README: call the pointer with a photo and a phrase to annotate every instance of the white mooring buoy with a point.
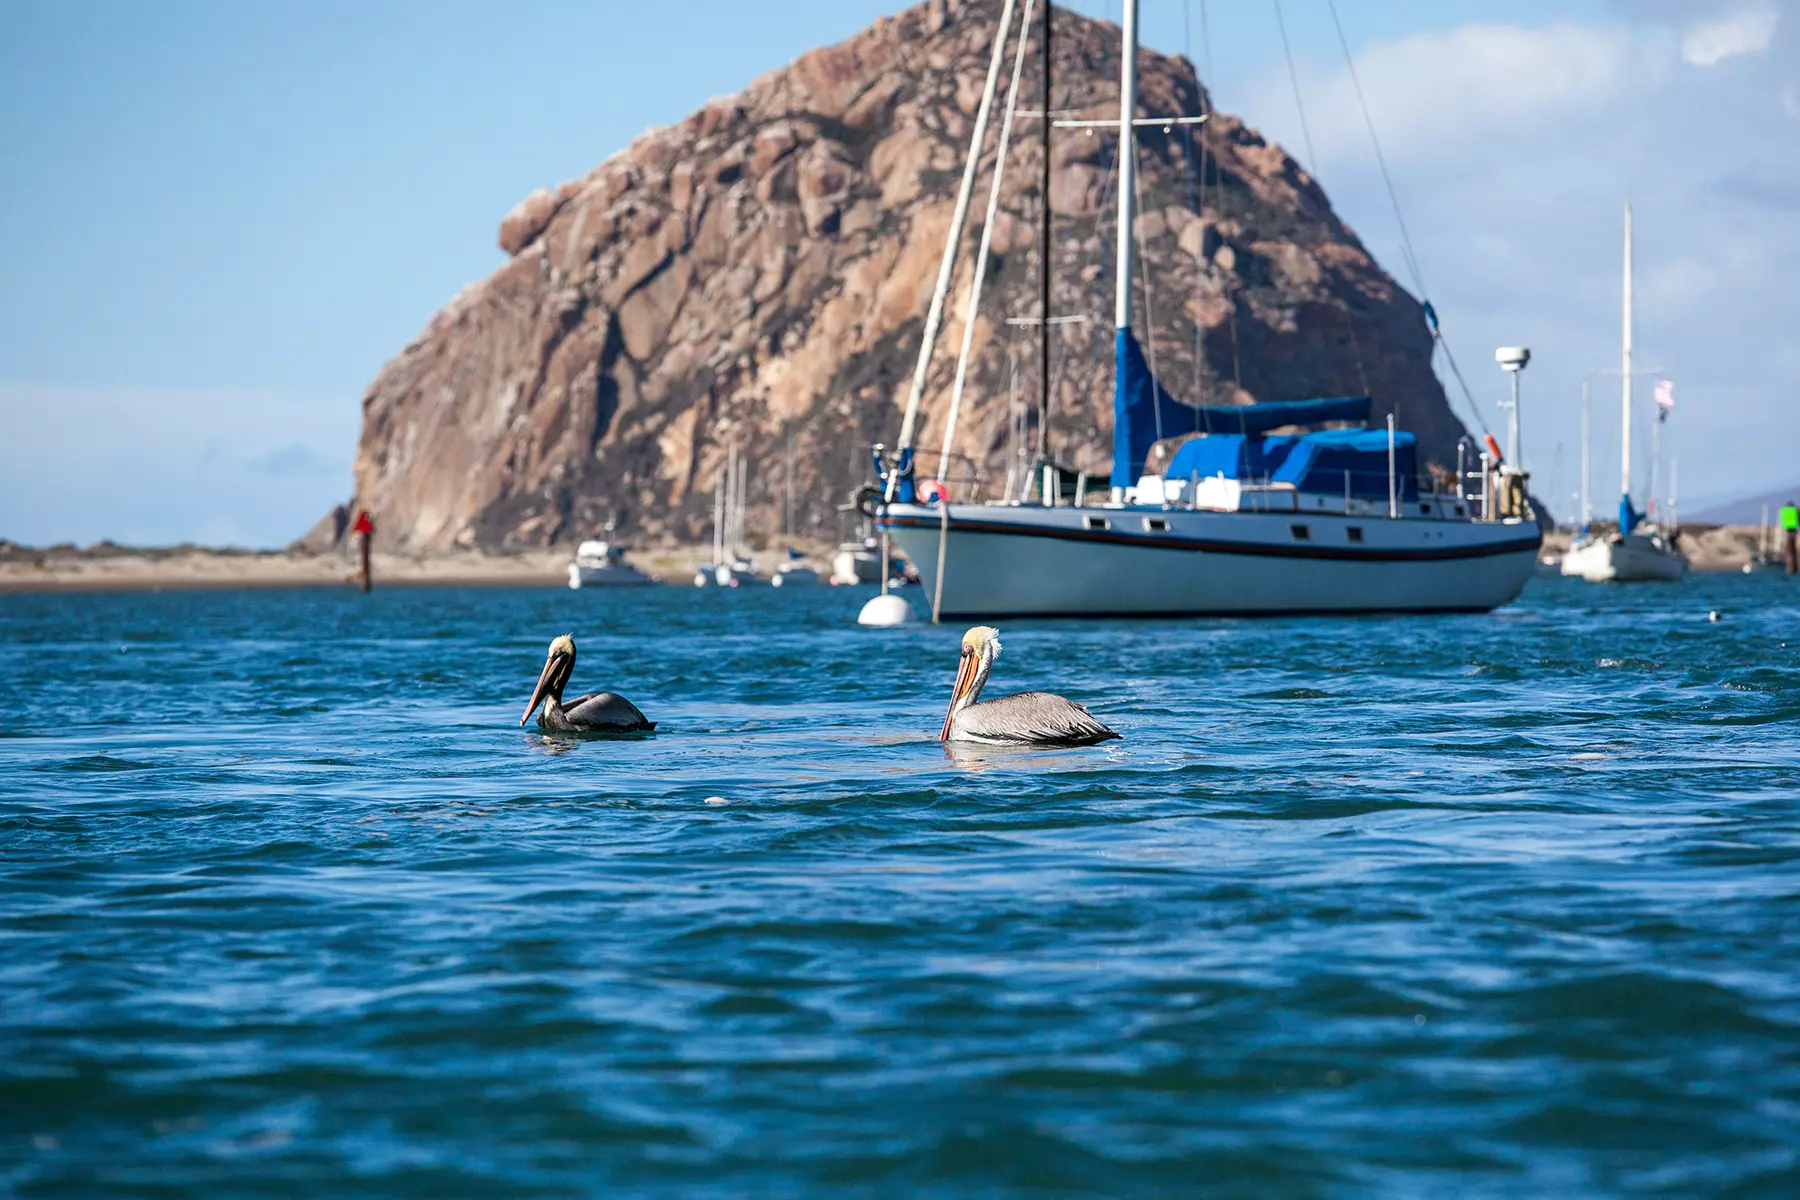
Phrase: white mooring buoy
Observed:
(886, 609)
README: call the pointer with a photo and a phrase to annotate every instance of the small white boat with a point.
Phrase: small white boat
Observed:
(795, 574)
(602, 564)
(1639, 557)
(856, 562)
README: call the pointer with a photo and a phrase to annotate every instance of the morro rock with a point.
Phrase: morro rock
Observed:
(759, 274)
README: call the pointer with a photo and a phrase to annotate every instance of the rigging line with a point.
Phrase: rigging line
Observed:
(1312, 161)
(1406, 245)
(946, 266)
(979, 266)
(1312, 167)
(1198, 209)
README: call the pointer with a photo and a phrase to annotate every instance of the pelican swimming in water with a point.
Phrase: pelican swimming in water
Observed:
(1022, 719)
(596, 712)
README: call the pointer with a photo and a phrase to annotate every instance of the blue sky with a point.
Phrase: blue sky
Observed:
(219, 219)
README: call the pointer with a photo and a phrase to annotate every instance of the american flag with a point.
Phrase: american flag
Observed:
(1665, 393)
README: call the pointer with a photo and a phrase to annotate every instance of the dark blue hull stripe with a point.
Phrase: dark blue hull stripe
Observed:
(1206, 546)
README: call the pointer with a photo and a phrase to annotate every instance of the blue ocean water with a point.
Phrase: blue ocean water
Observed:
(290, 906)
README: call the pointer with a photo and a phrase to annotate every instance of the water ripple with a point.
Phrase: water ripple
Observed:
(1376, 906)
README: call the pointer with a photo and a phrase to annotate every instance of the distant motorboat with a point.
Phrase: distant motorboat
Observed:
(795, 574)
(602, 564)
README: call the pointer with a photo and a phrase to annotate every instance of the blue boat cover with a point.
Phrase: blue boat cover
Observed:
(1322, 462)
(1144, 411)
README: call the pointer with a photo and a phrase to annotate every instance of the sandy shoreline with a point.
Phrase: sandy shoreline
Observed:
(110, 568)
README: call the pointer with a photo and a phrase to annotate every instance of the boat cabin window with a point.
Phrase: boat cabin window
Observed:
(1156, 524)
(1097, 522)
(1302, 533)
(1424, 510)
(1459, 511)
(1355, 533)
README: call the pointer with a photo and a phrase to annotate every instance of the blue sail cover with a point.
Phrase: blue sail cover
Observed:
(1143, 411)
(1321, 462)
(1628, 516)
(1141, 406)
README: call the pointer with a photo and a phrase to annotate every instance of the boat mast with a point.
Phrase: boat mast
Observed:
(1043, 430)
(1625, 510)
(719, 517)
(1127, 161)
(934, 316)
(1587, 512)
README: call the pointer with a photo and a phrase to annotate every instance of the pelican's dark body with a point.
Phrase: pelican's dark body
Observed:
(596, 712)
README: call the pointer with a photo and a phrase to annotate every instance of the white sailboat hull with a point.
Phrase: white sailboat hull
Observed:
(1633, 559)
(1143, 561)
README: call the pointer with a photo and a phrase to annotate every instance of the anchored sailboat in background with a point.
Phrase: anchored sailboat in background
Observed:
(1240, 521)
(730, 565)
(1638, 551)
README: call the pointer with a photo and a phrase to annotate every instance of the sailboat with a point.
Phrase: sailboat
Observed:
(1241, 521)
(1638, 551)
(1765, 558)
(730, 565)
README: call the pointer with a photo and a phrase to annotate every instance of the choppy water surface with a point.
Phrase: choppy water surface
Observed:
(290, 905)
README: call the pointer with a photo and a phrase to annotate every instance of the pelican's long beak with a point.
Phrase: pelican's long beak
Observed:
(552, 668)
(965, 678)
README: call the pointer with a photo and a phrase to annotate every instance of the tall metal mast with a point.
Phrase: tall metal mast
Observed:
(1625, 385)
(1043, 431)
(1127, 167)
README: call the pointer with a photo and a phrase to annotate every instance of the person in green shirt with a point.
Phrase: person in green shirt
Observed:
(1790, 522)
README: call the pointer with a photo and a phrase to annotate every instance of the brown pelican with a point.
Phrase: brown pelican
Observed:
(1022, 719)
(596, 712)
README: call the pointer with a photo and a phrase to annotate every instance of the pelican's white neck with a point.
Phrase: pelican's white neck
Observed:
(984, 662)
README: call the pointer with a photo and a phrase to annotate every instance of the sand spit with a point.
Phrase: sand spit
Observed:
(109, 567)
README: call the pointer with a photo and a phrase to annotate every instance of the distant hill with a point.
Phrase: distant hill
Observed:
(758, 275)
(1747, 511)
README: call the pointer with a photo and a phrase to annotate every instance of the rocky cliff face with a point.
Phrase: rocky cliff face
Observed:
(759, 274)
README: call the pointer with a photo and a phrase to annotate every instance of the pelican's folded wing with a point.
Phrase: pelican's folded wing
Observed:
(1033, 718)
(605, 712)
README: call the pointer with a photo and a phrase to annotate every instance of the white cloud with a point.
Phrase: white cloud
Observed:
(1433, 94)
(1747, 31)
(1514, 150)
